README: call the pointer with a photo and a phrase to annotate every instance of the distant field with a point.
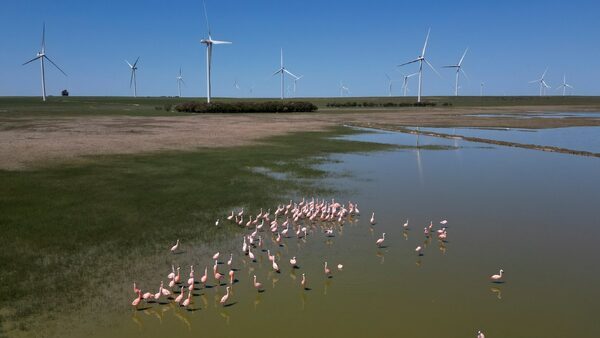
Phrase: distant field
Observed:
(161, 106)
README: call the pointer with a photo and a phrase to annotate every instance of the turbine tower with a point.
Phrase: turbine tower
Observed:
(542, 82)
(179, 82)
(481, 89)
(282, 70)
(420, 59)
(133, 80)
(41, 55)
(209, 42)
(390, 84)
(564, 85)
(458, 71)
(344, 89)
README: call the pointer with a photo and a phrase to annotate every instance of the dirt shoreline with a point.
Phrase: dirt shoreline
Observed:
(29, 142)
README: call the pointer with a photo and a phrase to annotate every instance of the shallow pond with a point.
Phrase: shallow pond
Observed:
(574, 138)
(541, 115)
(533, 214)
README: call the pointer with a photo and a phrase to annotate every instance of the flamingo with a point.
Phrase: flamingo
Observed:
(147, 296)
(164, 291)
(373, 218)
(340, 267)
(480, 334)
(380, 241)
(249, 223)
(285, 231)
(224, 298)
(217, 223)
(327, 270)
(135, 289)
(159, 293)
(172, 274)
(215, 267)
(175, 247)
(172, 283)
(188, 300)
(426, 231)
(177, 278)
(230, 217)
(180, 297)
(275, 266)
(418, 250)
(356, 211)
(241, 212)
(138, 299)
(205, 276)
(191, 271)
(231, 276)
(230, 260)
(405, 225)
(278, 239)
(257, 285)
(191, 279)
(293, 262)
(444, 222)
(218, 277)
(216, 256)
(303, 282)
(498, 277)
(244, 246)
(251, 254)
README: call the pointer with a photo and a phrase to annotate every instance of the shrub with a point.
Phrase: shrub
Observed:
(246, 107)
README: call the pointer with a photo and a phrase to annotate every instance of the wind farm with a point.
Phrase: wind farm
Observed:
(318, 177)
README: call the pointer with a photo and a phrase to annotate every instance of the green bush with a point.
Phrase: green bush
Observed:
(385, 104)
(246, 107)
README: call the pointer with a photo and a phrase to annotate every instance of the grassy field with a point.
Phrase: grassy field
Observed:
(66, 227)
(161, 106)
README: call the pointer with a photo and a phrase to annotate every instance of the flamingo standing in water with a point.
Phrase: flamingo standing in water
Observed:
(405, 225)
(373, 218)
(444, 222)
(216, 256)
(204, 277)
(418, 250)
(180, 297)
(293, 262)
(480, 334)
(275, 266)
(303, 282)
(135, 288)
(498, 277)
(327, 270)
(188, 300)
(230, 217)
(231, 277)
(177, 278)
(340, 267)
(224, 298)
(138, 299)
(244, 246)
(250, 254)
(147, 296)
(218, 277)
(230, 260)
(175, 247)
(381, 240)
(257, 285)
(172, 274)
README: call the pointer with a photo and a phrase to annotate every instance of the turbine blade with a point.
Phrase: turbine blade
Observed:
(568, 85)
(44, 38)
(544, 75)
(534, 81)
(463, 57)
(431, 66)
(206, 17)
(55, 65)
(294, 76)
(277, 72)
(130, 66)
(136, 61)
(30, 61)
(465, 74)
(408, 63)
(217, 42)
(450, 66)
(426, 40)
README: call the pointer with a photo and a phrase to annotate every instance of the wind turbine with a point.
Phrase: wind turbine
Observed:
(283, 71)
(209, 42)
(458, 71)
(564, 85)
(41, 55)
(543, 84)
(481, 89)
(296, 80)
(133, 80)
(179, 82)
(420, 59)
(343, 89)
(390, 84)
(405, 82)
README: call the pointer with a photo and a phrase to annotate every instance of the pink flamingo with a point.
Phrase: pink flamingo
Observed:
(230, 261)
(241, 212)
(271, 257)
(250, 254)
(215, 267)
(244, 246)
(498, 277)
(191, 271)
(257, 285)
(172, 283)
(293, 261)
(137, 300)
(218, 277)
(405, 225)
(216, 256)
(147, 296)
(135, 289)
(230, 217)
(175, 247)
(172, 274)
(231, 277)
(164, 291)
(180, 297)
(224, 298)
(303, 282)
(188, 300)
(159, 293)
(178, 276)
(480, 334)
(204, 277)
(275, 266)
(327, 270)
(340, 267)
(373, 219)
(444, 222)
(381, 240)
(418, 250)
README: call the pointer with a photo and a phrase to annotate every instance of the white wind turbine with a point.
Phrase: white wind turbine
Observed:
(458, 71)
(420, 59)
(179, 82)
(282, 70)
(41, 55)
(133, 80)
(390, 84)
(564, 85)
(344, 89)
(405, 82)
(542, 82)
(209, 42)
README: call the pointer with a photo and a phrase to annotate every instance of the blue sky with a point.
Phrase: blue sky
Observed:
(357, 42)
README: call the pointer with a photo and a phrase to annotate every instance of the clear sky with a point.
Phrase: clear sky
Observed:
(357, 42)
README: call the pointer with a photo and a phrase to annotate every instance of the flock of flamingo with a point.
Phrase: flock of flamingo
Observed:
(301, 219)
